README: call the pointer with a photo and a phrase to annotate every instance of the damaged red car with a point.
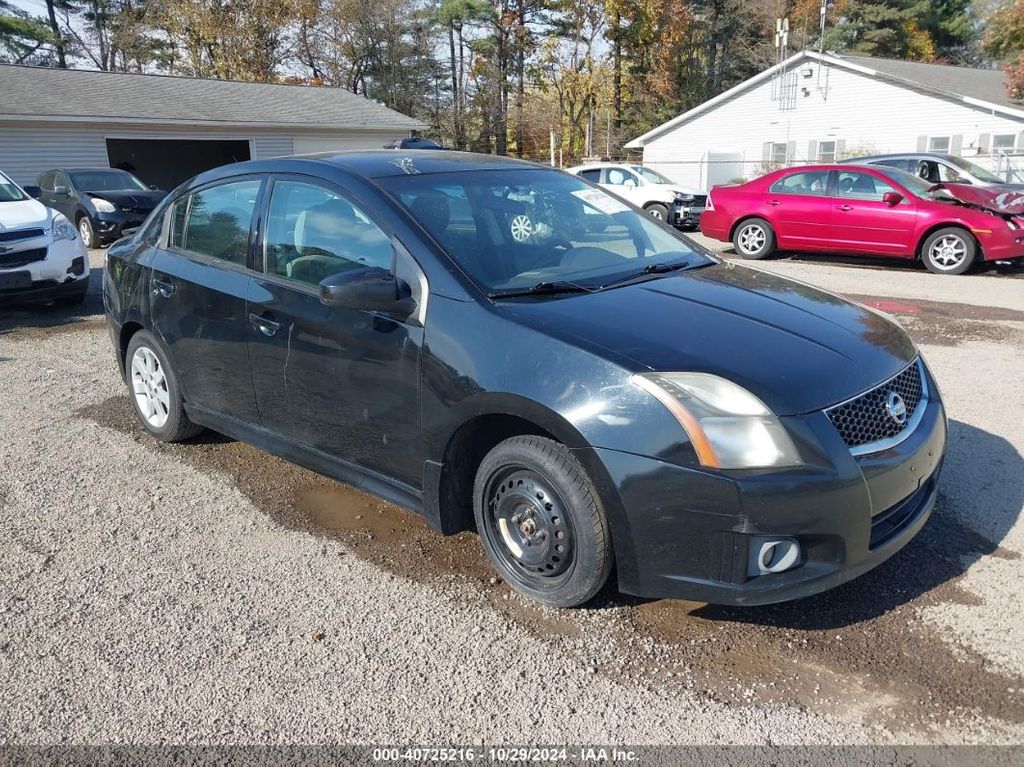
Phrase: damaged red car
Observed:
(871, 211)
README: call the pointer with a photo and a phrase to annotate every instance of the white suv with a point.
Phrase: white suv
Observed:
(660, 196)
(42, 257)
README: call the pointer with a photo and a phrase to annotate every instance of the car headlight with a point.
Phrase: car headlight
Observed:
(684, 198)
(62, 228)
(103, 206)
(729, 427)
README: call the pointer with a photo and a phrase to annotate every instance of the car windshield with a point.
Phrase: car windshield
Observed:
(107, 181)
(652, 175)
(518, 230)
(976, 170)
(9, 191)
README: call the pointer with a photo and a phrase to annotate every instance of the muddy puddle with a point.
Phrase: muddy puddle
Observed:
(860, 651)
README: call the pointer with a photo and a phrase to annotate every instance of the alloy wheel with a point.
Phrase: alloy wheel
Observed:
(751, 239)
(149, 385)
(948, 252)
(85, 231)
(521, 227)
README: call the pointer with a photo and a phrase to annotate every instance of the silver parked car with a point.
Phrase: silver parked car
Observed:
(938, 168)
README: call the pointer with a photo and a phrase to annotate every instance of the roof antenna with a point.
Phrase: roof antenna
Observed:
(825, 4)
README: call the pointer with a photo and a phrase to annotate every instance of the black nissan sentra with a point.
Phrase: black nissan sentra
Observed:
(504, 347)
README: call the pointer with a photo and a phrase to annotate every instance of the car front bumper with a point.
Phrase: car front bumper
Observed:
(687, 532)
(63, 272)
(1001, 244)
(109, 226)
(686, 215)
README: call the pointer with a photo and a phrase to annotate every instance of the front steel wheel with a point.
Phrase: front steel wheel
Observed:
(541, 523)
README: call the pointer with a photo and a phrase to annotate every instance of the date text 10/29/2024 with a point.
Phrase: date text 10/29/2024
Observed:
(505, 754)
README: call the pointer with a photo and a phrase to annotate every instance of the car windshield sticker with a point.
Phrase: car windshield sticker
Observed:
(603, 202)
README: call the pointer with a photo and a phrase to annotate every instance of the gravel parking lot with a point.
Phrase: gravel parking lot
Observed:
(211, 593)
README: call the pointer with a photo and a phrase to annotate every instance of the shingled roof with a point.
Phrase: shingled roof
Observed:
(85, 95)
(983, 84)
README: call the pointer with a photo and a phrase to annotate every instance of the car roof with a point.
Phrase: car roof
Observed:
(901, 155)
(605, 164)
(381, 163)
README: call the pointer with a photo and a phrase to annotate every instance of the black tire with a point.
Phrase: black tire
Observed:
(751, 232)
(530, 493)
(658, 211)
(87, 231)
(950, 250)
(177, 427)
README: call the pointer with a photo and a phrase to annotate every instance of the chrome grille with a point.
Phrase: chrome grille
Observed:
(865, 420)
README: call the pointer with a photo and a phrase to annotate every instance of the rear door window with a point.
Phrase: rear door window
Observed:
(811, 183)
(215, 221)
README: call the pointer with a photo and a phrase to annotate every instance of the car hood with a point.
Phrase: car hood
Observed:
(22, 214)
(130, 199)
(676, 188)
(797, 348)
(1007, 199)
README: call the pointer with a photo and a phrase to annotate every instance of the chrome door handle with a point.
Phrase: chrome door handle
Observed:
(163, 289)
(844, 207)
(773, 203)
(265, 325)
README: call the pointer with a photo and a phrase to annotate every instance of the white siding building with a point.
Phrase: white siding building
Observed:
(816, 108)
(167, 129)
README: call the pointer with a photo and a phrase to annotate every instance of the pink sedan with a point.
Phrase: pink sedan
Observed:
(865, 210)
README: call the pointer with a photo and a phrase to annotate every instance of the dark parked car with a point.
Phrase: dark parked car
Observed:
(413, 142)
(614, 395)
(101, 202)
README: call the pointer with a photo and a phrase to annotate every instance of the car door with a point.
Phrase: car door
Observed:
(62, 202)
(342, 381)
(624, 183)
(862, 222)
(198, 285)
(798, 208)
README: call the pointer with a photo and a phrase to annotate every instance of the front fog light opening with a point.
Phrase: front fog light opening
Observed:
(767, 556)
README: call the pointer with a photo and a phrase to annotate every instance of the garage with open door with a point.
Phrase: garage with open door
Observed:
(165, 163)
(167, 129)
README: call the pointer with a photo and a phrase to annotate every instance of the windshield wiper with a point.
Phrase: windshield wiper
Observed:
(548, 287)
(647, 271)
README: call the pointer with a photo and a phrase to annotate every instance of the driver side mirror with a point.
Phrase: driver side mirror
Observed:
(892, 198)
(60, 191)
(33, 191)
(369, 289)
(629, 183)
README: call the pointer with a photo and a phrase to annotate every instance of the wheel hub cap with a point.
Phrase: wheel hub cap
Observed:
(949, 252)
(751, 239)
(149, 385)
(533, 533)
